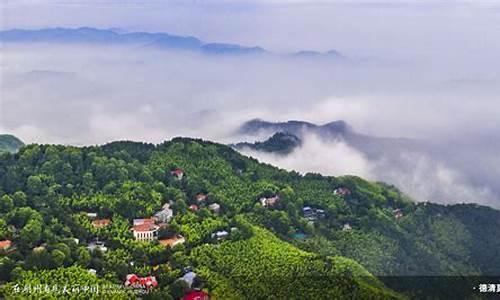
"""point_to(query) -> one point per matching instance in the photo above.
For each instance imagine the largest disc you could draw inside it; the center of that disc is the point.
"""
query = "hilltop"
(10, 143)
(248, 229)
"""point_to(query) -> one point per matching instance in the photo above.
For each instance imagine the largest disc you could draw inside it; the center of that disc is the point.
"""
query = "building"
(196, 295)
(98, 223)
(342, 191)
(92, 215)
(347, 227)
(193, 207)
(97, 245)
(200, 197)
(313, 214)
(92, 271)
(220, 235)
(179, 239)
(398, 213)
(188, 278)
(177, 172)
(145, 230)
(214, 207)
(271, 201)
(141, 282)
(5, 244)
(164, 215)
(144, 221)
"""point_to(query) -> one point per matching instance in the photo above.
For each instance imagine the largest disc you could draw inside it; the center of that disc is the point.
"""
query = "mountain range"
(318, 237)
(156, 40)
(371, 146)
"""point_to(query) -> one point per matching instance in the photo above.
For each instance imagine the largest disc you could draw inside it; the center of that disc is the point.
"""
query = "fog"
(424, 71)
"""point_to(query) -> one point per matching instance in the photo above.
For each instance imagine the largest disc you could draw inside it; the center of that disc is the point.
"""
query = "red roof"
(196, 295)
(5, 244)
(173, 241)
(101, 222)
(147, 282)
(201, 197)
(193, 207)
(177, 172)
(145, 227)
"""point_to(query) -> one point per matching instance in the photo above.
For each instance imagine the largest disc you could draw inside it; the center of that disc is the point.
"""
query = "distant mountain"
(280, 142)
(308, 54)
(338, 130)
(10, 143)
(88, 35)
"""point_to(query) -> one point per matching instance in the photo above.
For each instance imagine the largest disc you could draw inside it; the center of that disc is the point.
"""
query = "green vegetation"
(10, 143)
(46, 192)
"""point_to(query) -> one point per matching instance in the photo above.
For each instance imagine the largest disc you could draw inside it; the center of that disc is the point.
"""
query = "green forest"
(275, 234)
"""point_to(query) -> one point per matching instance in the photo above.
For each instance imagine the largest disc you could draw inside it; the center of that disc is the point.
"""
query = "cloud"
(421, 70)
(319, 156)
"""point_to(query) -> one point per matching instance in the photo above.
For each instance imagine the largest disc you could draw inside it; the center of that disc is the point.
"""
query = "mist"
(423, 71)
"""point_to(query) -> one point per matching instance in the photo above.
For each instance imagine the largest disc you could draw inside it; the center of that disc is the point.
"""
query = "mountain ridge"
(154, 40)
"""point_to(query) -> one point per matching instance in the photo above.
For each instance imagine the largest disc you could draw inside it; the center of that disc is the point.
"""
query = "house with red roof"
(98, 223)
(177, 172)
(141, 282)
(196, 295)
(342, 191)
(145, 230)
(200, 197)
(193, 207)
(5, 244)
(171, 242)
(270, 201)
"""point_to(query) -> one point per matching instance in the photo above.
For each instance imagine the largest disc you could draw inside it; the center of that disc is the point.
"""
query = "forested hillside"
(249, 230)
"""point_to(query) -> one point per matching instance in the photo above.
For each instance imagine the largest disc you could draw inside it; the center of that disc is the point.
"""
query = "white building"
(146, 231)
(214, 207)
(165, 214)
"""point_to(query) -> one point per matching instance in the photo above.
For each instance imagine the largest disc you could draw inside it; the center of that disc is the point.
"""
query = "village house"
(164, 215)
(145, 230)
(99, 223)
(92, 215)
(196, 295)
(188, 278)
(141, 282)
(171, 242)
(342, 191)
(313, 214)
(5, 244)
(271, 201)
(220, 235)
(97, 245)
(200, 197)
(193, 207)
(214, 207)
(398, 213)
(177, 172)
(92, 271)
(347, 227)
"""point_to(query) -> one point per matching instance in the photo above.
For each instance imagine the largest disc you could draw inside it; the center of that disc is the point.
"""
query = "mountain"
(371, 146)
(256, 231)
(165, 41)
(280, 142)
(10, 143)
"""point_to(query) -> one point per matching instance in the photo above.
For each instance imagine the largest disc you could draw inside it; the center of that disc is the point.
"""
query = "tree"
(6, 203)
(20, 199)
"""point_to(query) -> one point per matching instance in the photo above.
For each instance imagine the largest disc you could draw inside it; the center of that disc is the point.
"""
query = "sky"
(417, 69)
